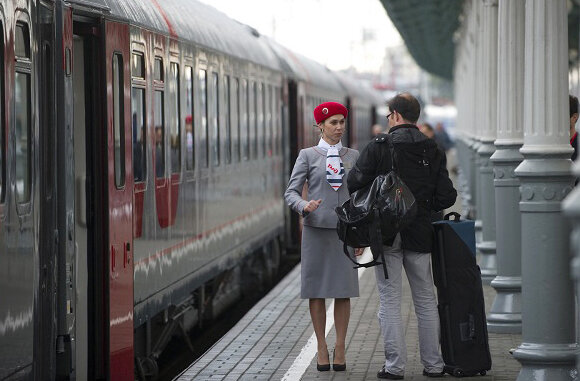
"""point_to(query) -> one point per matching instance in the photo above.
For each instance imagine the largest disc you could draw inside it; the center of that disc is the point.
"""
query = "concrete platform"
(275, 340)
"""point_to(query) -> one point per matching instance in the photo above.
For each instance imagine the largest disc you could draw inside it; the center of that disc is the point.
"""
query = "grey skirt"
(326, 271)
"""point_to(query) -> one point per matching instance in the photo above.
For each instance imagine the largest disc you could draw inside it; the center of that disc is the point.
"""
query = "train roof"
(302, 68)
(193, 21)
(360, 90)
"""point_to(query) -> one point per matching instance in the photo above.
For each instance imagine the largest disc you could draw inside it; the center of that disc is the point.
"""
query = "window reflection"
(175, 127)
(22, 136)
(139, 140)
(159, 135)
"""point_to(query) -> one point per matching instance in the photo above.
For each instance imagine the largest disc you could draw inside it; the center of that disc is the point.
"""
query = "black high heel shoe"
(337, 367)
(323, 367)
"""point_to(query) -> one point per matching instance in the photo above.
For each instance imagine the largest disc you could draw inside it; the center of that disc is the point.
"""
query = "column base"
(544, 362)
(487, 261)
(505, 315)
(478, 230)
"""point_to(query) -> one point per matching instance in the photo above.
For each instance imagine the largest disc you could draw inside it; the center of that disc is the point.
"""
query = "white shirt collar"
(325, 146)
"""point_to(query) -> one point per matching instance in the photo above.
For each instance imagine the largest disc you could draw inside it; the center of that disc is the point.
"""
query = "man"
(573, 120)
(427, 129)
(427, 177)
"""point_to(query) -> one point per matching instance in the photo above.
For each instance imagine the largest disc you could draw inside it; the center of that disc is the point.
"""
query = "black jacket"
(421, 165)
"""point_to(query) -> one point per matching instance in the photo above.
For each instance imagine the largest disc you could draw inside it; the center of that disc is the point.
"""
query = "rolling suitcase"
(464, 341)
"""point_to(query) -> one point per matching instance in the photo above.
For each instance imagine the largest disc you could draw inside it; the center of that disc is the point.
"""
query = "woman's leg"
(341, 318)
(318, 316)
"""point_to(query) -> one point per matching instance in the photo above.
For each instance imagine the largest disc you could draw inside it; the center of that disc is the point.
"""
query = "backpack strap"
(392, 152)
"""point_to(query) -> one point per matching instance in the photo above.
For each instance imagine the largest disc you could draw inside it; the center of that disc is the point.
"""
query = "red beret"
(327, 109)
(188, 119)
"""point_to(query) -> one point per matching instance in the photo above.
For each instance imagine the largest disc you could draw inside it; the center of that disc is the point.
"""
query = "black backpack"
(378, 211)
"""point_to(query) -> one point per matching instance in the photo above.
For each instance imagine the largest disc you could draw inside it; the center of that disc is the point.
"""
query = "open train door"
(119, 214)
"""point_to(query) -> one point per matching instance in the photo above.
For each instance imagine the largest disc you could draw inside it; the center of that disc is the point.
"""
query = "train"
(145, 147)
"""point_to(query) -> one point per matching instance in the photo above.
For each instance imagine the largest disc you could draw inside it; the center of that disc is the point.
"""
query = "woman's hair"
(573, 105)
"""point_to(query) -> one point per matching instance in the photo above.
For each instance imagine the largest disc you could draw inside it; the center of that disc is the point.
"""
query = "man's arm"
(445, 193)
(365, 168)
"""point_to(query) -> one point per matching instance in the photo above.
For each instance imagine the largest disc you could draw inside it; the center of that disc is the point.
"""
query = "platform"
(275, 340)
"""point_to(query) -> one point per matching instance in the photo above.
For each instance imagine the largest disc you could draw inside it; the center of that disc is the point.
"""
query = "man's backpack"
(379, 210)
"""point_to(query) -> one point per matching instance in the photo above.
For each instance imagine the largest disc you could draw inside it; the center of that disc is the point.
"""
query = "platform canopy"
(428, 26)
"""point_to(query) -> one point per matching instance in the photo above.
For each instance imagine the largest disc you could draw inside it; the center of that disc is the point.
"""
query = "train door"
(119, 180)
(45, 329)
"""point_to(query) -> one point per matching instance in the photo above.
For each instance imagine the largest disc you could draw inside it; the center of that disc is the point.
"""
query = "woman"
(326, 272)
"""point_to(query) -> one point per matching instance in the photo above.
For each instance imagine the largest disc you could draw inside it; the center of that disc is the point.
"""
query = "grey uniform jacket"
(310, 167)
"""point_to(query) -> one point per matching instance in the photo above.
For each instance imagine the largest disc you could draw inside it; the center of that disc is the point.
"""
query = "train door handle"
(127, 256)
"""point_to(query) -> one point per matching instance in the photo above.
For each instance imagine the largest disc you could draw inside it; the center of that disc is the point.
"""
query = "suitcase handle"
(454, 214)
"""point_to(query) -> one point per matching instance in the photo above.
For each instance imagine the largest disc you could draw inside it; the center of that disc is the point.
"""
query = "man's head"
(573, 114)
(403, 109)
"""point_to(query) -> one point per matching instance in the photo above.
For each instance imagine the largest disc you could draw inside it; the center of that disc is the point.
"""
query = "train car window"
(270, 120)
(266, 109)
(245, 120)
(2, 121)
(215, 120)
(138, 112)
(254, 118)
(159, 135)
(227, 114)
(22, 41)
(235, 117)
(158, 69)
(118, 120)
(202, 76)
(22, 117)
(138, 65)
(263, 119)
(189, 137)
(175, 125)
(138, 117)
(277, 121)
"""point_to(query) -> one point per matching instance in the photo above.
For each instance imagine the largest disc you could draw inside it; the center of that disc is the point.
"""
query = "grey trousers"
(418, 269)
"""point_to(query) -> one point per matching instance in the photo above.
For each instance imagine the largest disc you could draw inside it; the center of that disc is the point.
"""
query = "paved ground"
(269, 342)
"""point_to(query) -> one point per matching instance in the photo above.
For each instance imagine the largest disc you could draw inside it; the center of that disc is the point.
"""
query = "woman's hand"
(312, 205)
(359, 251)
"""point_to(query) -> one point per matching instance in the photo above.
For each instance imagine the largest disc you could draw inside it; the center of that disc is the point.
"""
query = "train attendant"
(326, 272)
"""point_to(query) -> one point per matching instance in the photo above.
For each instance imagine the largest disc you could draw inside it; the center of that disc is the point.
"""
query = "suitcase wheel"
(458, 372)
(483, 373)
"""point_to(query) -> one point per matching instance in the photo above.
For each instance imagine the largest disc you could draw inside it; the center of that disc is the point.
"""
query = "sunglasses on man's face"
(389, 114)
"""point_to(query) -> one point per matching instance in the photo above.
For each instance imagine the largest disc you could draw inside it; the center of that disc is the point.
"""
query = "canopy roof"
(427, 27)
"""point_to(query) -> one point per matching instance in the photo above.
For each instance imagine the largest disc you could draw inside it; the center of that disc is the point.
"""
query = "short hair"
(406, 105)
(573, 105)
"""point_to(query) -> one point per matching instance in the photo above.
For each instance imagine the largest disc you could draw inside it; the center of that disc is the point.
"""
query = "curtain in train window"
(118, 120)
(202, 76)
(189, 130)
(22, 117)
(175, 121)
(138, 118)
(227, 118)
(215, 120)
